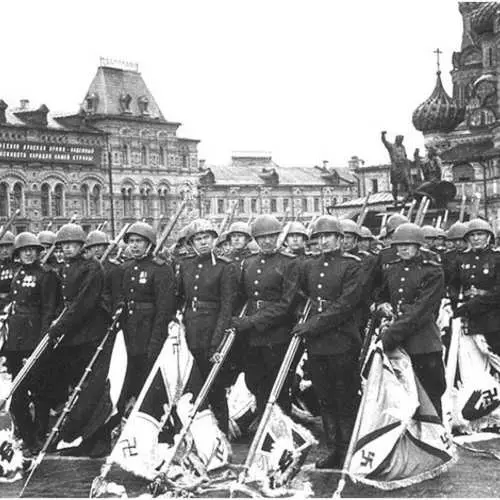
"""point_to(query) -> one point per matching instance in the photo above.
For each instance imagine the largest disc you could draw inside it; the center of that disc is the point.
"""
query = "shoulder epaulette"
(224, 258)
(364, 252)
(286, 253)
(114, 261)
(159, 261)
(394, 261)
(431, 262)
(351, 256)
(496, 250)
(467, 250)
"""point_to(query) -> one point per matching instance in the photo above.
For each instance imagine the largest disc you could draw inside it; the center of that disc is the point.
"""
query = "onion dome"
(439, 113)
(483, 17)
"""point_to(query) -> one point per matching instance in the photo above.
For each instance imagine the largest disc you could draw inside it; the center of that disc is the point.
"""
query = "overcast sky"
(308, 81)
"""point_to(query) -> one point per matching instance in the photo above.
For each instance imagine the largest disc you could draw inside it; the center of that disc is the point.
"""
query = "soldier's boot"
(331, 461)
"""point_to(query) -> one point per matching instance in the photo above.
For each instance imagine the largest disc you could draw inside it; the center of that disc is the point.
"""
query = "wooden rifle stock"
(169, 228)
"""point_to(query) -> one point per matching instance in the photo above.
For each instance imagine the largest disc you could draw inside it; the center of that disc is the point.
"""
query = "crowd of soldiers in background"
(342, 269)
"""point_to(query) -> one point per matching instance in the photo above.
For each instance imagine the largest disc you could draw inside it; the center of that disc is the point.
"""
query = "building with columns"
(118, 159)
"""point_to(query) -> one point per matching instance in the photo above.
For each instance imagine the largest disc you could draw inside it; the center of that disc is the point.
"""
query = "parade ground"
(475, 475)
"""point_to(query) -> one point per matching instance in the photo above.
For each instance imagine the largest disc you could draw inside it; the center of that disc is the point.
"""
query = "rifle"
(412, 207)
(275, 392)
(114, 243)
(364, 211)
(445, 219)
(424, 206)
(438, 222)
(169, 228)
(475, 206)
(51, 250)
(9, 223)
(462, 205)
(370, 330)
(219, 359)
(70, 404)
(33, 359)
(226, 221)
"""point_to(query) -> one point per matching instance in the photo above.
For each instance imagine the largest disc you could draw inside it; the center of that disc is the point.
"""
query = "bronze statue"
(400, 168)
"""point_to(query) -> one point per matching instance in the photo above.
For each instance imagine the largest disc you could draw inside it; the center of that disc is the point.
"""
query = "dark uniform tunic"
(148, 290)
(83, 321)
(34, 293)
(414, 288)
(476, 276)
(7, 269)
(207, 288)
(333, 283)
(269, 282)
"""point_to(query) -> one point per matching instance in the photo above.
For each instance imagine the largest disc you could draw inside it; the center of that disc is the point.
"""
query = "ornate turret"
(440, 112)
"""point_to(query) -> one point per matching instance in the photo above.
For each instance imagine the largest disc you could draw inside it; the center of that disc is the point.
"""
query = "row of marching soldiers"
(339, 267)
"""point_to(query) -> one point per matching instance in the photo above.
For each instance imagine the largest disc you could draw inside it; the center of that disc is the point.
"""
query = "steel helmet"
(201, 226)
(70, 232)
(239, 227)
(408, 234)
(183, 234)
(365, 233)
(47, 238)
(456, 231)
(394, 221)
(440, 233)
(429, 232)
(265, 225)
(26, 239)
(96, 238)
(327, 224)
(297, 227)
(224, 236)
(8, 238)
(349, 226)
(478, 225)
(141, 229)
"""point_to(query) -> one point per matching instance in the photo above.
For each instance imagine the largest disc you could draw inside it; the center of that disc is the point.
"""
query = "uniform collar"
(332, 254)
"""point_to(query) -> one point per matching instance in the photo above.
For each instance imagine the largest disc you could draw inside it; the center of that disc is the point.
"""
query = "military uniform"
(476, 276)
(35, 294)
(148, 291)
(333, 283)
(414, 288)
(269, 282)
(7, 270)
(207, 288)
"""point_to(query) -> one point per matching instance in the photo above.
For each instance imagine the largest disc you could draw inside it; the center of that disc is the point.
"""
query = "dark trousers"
(262, 364)
(335, 378)
(138, 368)
(429, 369)
(217, 395)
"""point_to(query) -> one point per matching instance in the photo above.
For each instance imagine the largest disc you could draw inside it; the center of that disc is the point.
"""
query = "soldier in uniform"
(34, 293)
(475, 283)
(148, 291)
(269, 281)
(83, 321)
(296, 239)
(7, 267)
(366, 240)
(47, 239)
(207, 286)
(239, 237)
(414, 286)
(456, 244)
(333, 283)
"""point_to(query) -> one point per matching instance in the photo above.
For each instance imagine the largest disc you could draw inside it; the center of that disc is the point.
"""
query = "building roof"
(271, 173)
(118, 91)
(383, 197)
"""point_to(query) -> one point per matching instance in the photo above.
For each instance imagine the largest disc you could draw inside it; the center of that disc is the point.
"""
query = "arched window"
(145, 202)
(125, 154)
(58, 201)
(162, 196)
(463, 173)
(127, 201)
(45, 204)
(17, 197)
(4, 200)
(144, 156)
(96, 200)
(84, 191)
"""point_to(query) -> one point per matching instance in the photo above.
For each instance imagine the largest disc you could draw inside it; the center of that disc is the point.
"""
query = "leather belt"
(196, 304)
(259, 304)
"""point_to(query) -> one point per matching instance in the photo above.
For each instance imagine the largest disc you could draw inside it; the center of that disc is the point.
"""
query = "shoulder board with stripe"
(394, 261)
(431, 263)
(351, 256)
(159, 261)
(223, 258)
(286, 253)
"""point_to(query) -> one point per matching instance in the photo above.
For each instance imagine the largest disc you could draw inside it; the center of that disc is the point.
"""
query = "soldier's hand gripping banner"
(400, 439)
